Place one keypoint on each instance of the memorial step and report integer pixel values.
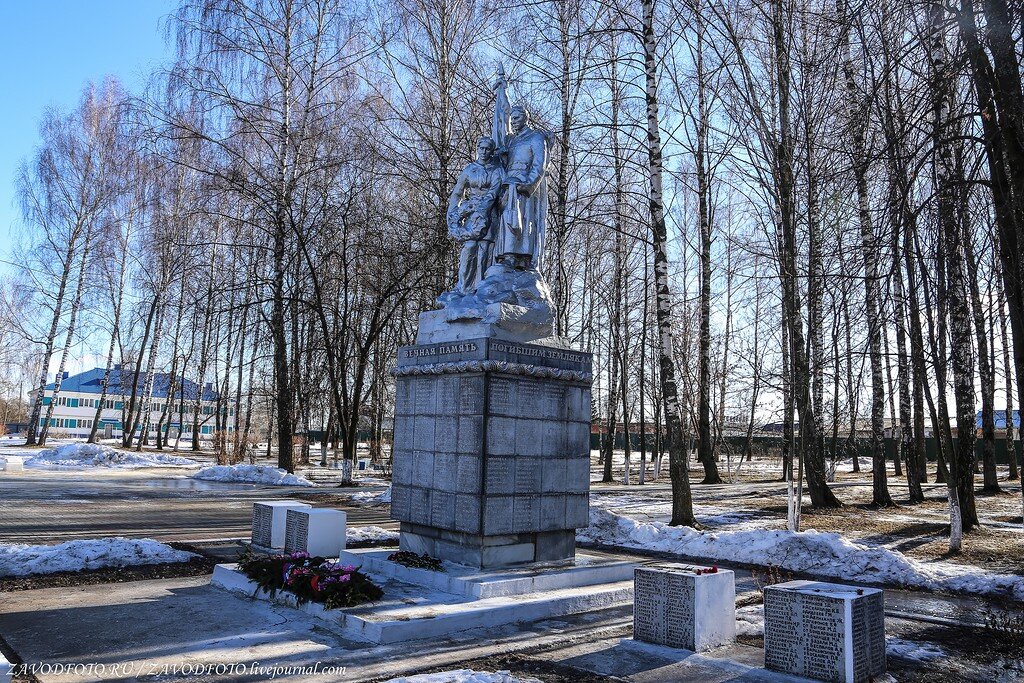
(588, 569)
(410, 612)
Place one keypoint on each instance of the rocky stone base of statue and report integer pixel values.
(513, 305)
(491, 463)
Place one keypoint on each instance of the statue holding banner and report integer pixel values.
(497, 212)
(524, 202)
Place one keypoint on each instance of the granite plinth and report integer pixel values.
(682, 606)
(269, 522)
(824, 631)
(491, 463)
(317, 531)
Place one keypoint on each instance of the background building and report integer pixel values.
(74, 409)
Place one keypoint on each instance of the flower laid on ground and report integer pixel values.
(410, 559)
(311, 579)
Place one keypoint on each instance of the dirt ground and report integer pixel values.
(756, 498)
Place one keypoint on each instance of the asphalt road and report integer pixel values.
(51, 506)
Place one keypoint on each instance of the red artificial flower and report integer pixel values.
(314, 583)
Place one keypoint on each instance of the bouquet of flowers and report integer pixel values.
(311, 579)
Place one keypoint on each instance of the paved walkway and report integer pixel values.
(187, 626)
(185, 629)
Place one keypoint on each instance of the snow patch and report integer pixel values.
(251, 474)
(372, 497)
(809, 552)
(847, 464)
(90, 455)
(464, 676)
(911, 651)
(750, 621)
(364, 534)
(17, 559)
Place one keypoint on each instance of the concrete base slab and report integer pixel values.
(410, 612)
(635, 660)
(588, 569)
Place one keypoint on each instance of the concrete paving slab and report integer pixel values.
(164, 626)
(632, 660)
(146, 627)
(181, 629)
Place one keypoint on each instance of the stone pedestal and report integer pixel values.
(491, 462)
(687, 607)
(269, 522)
(825, 631)
(507, 322)
(317, 531)
(14, 463)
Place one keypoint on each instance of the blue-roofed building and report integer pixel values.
(1000, 416)
(75, 408)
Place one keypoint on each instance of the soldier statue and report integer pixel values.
(524, 197)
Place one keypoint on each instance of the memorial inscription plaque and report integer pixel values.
(693, 608)
(825, 631)
(488, 479)
(269, 520)
(296, 531)
(317, 531)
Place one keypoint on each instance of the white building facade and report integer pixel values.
(74, 410)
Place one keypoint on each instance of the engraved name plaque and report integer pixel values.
(483, 442)
(825, 631)
(296, 532)
(693, 608)
(317, 531)
(268, 522)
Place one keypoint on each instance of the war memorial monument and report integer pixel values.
(492, 418)
(491, 470)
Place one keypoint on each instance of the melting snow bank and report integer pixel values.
(251, 474)
(22, 560)
(366, 534)
(87, 455)
(464, 676)
(372, 497)
(807, 552)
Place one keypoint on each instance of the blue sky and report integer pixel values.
(49, 49)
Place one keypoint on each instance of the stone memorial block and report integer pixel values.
(825, 631)
(269, 520)
(14, 463)
(497, 467)
(317, 531)
(687, 607)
